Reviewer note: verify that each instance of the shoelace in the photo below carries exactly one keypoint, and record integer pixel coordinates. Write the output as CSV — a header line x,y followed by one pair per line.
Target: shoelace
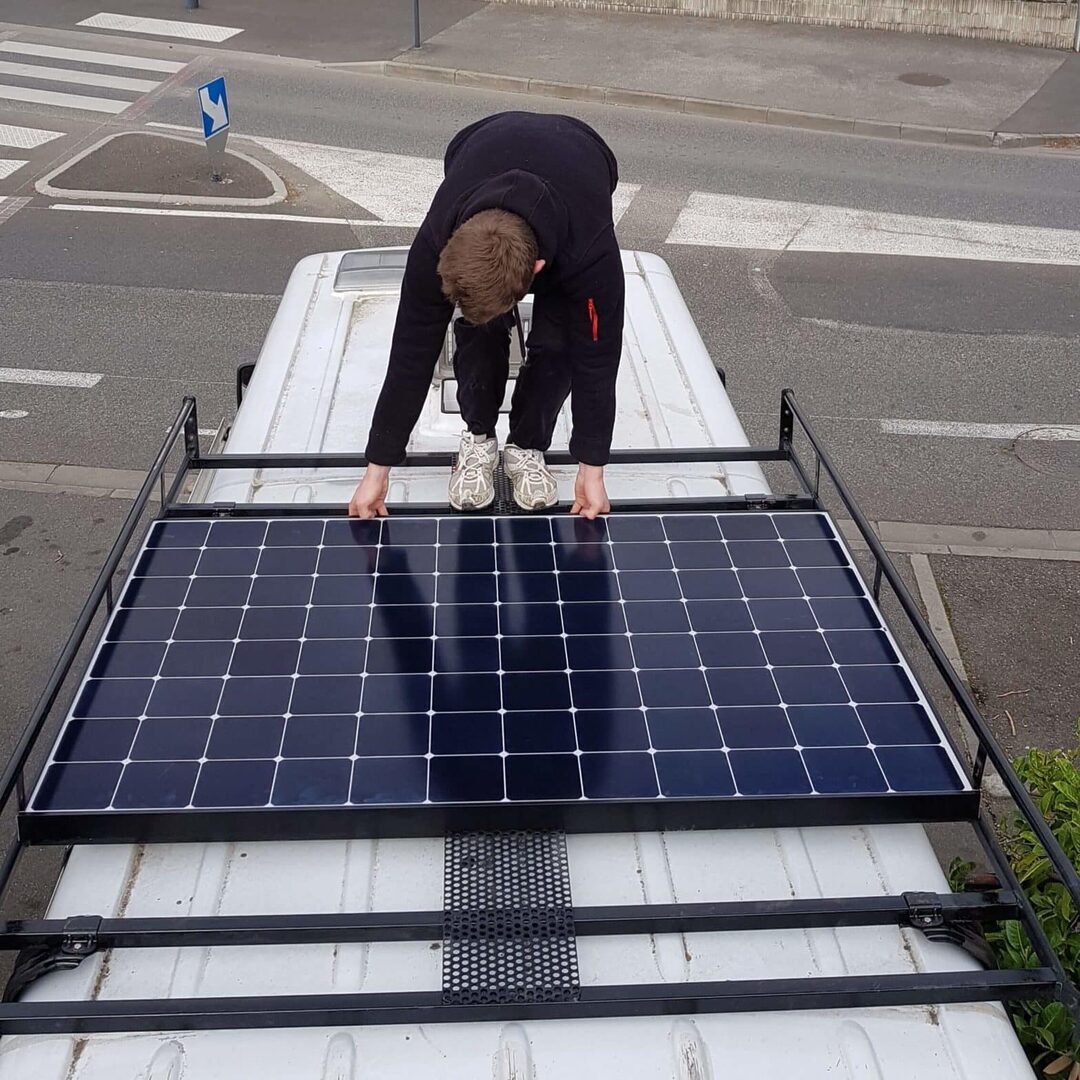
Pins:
x,y
471,461
533,461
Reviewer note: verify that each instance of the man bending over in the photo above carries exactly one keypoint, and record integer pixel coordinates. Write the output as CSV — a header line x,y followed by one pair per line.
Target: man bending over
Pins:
x,y
525,206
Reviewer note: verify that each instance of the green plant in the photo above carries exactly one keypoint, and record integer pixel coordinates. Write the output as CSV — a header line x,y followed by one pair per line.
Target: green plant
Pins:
x,y
1045,1028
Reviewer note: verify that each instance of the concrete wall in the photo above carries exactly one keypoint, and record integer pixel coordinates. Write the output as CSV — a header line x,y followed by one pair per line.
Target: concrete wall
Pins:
x,y
1026,22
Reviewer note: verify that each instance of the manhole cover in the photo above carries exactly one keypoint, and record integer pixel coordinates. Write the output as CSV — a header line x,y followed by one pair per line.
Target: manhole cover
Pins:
x,y
1045,451
920,78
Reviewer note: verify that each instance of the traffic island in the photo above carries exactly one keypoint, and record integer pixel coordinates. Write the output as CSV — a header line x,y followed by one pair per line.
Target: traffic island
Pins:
x,y
173,170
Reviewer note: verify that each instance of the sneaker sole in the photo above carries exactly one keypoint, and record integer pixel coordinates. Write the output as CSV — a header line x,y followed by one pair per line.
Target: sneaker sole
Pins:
x,y
536,506
471,507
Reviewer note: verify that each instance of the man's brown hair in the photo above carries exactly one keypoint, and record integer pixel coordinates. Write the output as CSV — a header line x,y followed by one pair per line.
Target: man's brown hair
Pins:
x,y
487,264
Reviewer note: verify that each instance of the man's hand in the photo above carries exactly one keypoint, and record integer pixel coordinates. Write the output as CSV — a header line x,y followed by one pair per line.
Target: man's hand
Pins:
x,y
590,495
369,499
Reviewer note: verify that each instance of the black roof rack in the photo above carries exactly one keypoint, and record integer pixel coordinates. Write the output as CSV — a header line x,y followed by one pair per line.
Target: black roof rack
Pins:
x,y
492,932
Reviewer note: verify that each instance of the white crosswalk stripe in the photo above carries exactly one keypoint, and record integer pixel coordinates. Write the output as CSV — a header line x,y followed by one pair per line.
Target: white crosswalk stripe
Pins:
x,y
83,78
736,221
134,24
45,75
90,56
63,101
24,138
82,380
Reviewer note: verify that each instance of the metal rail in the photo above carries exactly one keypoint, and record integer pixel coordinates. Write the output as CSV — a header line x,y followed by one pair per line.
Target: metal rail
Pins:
x,y
13,771
217,931
988,745
663,999
49,943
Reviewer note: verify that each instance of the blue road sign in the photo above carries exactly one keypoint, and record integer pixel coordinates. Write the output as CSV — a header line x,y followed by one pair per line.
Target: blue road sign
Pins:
x,y
214,104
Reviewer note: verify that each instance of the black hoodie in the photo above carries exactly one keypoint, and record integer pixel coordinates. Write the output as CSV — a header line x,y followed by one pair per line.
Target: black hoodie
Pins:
x,y
557,174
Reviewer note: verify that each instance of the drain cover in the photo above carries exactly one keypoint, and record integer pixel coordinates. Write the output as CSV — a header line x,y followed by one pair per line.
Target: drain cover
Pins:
x,y
921,78
1043,450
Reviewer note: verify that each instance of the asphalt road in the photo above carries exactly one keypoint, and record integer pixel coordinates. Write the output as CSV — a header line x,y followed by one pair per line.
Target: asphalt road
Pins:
x,y
160,306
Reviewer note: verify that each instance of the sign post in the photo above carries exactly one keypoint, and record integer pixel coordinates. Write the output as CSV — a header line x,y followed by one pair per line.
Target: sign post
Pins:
x,y
214,106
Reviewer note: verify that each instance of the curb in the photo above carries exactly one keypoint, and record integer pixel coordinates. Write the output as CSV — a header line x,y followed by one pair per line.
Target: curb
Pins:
x,y
720,110
44,185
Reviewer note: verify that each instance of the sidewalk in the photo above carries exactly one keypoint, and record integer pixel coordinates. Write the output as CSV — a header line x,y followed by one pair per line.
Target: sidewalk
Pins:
x,y
785,74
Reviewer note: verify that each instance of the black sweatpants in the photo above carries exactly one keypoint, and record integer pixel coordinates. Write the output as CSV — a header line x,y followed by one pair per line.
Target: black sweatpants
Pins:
x,y
482,366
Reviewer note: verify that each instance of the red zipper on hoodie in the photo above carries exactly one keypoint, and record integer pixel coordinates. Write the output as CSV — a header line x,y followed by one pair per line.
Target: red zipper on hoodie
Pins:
x,y
594,319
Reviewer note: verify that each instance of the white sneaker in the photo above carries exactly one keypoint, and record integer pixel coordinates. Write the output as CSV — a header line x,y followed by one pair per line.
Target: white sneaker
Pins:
x,y
533,485
472,483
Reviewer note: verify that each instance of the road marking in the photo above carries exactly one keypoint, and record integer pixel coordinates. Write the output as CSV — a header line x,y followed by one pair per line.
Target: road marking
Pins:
x,y
13,414
732,221
240,215
63,101
959,430
82,380
10,165
24,138
83,78
621,198
133,24
88,56
9,207
396,188
393,187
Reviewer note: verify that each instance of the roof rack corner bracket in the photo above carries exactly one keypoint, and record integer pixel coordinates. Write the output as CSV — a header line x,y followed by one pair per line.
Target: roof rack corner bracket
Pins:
x,y
925,911
927,914
80,940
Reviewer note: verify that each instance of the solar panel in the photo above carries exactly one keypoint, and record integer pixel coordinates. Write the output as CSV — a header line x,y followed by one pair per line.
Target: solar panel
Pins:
x,y
303,676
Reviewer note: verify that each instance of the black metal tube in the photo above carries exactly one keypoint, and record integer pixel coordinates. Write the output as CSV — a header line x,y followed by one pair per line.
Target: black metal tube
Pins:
x,y
721,504
71,648
1064,867
445,460
1003,868
241,930
428,1007
7,867
416,24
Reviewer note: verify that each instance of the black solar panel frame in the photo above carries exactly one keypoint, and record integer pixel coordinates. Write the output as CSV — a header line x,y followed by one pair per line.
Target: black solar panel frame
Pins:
x,y
592,815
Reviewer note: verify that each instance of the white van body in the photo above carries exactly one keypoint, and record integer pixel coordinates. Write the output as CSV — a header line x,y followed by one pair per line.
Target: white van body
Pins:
x,y
313,389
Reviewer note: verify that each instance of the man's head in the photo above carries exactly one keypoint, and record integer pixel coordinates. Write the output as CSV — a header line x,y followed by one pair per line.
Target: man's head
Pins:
x,y
488,264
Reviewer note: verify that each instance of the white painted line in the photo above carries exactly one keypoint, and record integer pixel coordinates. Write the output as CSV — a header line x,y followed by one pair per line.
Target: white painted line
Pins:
x,y
83,380
732,221
10,207
63,101
88,56
134,24
24,138
81,78
175,127
621,198
959,430
237,215
13,414
10,165
393,187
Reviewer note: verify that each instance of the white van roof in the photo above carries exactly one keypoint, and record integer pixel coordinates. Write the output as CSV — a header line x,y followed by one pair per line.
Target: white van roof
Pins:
x,y
313,390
